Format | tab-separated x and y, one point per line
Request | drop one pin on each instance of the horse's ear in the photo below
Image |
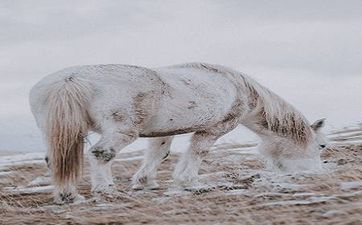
317	125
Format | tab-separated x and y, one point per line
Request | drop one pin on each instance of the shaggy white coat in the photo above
123	102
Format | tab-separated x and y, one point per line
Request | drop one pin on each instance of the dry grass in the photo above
241	191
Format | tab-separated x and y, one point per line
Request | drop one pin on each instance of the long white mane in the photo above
277	115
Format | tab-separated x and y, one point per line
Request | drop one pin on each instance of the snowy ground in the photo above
239	190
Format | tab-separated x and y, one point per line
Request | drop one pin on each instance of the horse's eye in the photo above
322	146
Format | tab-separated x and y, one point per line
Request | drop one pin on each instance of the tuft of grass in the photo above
239	190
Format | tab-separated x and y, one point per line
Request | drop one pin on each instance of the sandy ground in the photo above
240	191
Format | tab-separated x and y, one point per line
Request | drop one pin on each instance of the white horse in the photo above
123	102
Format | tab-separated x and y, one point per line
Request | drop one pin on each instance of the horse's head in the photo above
288	155
320	140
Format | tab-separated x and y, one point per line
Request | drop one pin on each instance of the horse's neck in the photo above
271	116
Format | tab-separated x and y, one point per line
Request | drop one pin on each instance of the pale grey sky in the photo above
318	36
309	51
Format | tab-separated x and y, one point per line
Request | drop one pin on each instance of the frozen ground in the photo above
239	190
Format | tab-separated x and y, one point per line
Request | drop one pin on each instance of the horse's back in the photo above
193	99
183	98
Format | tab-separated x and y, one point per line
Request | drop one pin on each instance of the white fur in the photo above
159	149
210	100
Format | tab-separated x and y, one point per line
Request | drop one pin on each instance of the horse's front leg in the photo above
159	149
186	171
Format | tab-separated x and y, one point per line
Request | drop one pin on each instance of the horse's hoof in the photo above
153	185
140	182
150	185
68	198
137	186
78	199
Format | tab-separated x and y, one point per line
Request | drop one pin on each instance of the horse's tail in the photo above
65	125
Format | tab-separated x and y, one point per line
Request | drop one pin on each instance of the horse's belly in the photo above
190	103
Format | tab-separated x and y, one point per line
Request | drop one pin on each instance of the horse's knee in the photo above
103	154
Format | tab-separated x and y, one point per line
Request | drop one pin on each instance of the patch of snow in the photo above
42	180
22	157
5	173
246	150
351	185
289	186
347	142
311	200
348	133
236	192
30	190
129	159
21	163
304	194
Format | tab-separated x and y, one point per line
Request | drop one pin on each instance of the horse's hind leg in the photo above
159	149
187	168
115	137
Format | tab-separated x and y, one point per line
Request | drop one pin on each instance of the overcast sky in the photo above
309	52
